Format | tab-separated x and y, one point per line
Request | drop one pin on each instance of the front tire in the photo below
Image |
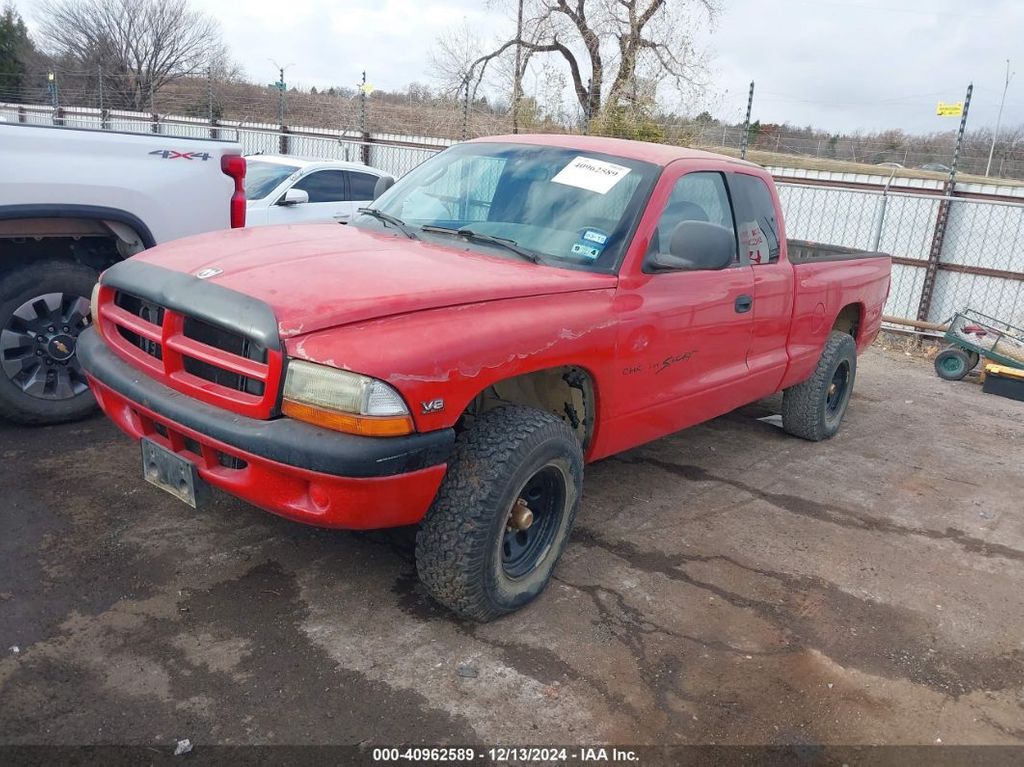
472	554
44	305
814	409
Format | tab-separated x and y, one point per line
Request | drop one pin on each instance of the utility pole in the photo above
746	123
999	117
99	86
517	81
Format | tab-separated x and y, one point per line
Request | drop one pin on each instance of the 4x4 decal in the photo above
172	154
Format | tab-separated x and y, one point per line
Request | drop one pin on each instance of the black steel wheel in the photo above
542	502
838	390
43	308
814	409
503	514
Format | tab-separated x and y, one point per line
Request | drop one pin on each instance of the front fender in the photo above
454	353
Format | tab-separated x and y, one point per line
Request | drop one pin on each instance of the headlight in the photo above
343	401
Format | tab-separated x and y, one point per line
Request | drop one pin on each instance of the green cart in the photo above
972	335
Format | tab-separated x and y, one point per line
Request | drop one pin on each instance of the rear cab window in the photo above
756	225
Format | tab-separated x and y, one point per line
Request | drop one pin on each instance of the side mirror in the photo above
294	197
383	184
696	246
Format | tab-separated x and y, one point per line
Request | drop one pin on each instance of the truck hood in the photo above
319	276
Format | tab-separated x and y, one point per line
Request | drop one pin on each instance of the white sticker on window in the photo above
590	174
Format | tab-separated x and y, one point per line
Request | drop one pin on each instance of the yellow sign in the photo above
366	88
950	110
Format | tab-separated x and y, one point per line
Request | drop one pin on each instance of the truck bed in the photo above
807	252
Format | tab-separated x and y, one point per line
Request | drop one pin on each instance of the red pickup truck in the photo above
510	310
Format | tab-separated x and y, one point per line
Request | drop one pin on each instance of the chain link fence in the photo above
976	258
948	253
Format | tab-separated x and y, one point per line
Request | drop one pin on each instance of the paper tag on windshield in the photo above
590	174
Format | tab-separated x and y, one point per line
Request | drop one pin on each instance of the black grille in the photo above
148	311
225	340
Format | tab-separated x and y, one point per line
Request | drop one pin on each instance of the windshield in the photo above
261	178
569	207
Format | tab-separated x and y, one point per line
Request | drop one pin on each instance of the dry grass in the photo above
844	166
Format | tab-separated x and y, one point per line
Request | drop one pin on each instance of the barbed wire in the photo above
343	107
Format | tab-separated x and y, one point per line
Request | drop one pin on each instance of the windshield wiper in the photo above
387	218
469	234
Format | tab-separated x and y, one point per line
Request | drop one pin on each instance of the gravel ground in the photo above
729	584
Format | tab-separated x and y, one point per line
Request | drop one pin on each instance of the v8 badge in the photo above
433	406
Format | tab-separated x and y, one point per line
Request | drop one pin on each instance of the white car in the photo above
281	189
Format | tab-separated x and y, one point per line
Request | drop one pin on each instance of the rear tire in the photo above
953	364
469	554
814	409
44	305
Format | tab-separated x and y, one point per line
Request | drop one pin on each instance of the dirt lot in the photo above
729	584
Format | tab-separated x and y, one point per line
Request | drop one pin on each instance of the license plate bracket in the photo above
174	474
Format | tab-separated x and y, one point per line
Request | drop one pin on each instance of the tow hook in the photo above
521	517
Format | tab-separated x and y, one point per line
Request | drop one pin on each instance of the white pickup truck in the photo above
73	202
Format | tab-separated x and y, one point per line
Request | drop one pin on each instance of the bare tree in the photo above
616	42
139	45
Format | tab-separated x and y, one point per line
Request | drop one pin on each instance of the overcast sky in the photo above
833	64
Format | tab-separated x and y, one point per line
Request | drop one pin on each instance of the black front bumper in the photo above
283	440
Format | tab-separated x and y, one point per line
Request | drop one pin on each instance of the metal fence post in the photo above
941	220
876	236
746	123
465	110
588	113
364	128
210	112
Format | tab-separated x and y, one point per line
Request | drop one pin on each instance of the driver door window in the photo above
700	196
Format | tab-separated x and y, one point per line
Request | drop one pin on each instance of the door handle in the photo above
744	303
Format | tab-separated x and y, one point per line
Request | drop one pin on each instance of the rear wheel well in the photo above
566	391
92	242
848	320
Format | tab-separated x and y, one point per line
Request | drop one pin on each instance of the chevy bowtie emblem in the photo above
210	271
61	346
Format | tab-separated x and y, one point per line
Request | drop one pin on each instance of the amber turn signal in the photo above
363	425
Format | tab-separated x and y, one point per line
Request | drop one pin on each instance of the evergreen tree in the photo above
14	47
